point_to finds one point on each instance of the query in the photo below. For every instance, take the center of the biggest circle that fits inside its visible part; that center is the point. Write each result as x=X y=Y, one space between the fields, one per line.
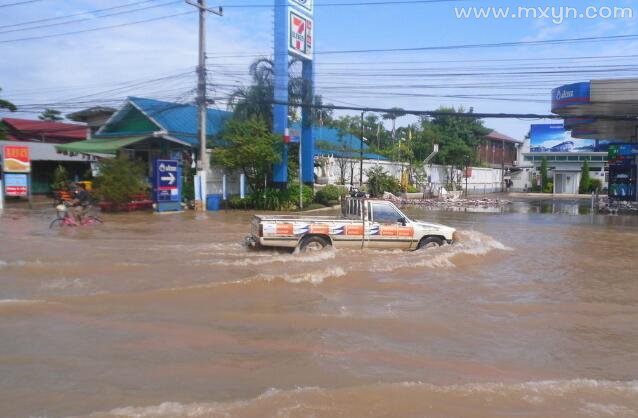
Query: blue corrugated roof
x=332 y=138
x=180 y=120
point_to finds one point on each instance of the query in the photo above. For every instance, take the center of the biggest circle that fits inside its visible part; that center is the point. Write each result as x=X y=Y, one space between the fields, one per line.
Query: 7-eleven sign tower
x=294 y=36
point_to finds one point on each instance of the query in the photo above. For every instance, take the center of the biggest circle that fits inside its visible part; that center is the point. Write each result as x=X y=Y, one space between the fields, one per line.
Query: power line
x=86 y=19
x=349 y=4
x=31 y=38
x=48 y=19
x=18 y=3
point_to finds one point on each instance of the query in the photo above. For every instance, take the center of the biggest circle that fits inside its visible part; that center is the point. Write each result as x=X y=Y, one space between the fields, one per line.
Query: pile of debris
x=615 y=207
x=448 y=202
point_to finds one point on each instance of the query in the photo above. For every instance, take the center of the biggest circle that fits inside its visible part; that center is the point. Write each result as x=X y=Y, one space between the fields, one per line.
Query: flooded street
x=534 y=313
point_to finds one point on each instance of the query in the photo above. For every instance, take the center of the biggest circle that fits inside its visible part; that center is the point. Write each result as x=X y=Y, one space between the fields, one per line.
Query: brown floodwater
x=533 y=314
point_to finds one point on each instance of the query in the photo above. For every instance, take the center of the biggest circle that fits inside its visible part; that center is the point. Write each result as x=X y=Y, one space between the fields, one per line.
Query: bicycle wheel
x=95 y=219
x=56 y=223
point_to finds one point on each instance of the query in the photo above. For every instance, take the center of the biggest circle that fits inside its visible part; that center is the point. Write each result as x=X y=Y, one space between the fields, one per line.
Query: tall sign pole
x=294 y=35
x=201 y=95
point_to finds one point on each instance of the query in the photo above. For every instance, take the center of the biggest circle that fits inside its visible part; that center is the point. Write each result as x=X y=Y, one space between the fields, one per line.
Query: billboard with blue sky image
x=554 y=138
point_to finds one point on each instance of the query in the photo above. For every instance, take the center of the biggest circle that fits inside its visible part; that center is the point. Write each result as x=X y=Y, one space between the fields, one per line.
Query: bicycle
x=63 y=218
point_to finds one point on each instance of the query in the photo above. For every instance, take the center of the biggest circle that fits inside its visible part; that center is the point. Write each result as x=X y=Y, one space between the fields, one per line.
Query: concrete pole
x=361 y=155
x=201 y=95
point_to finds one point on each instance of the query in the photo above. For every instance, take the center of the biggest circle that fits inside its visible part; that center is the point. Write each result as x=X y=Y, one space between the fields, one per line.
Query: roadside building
x=94 y=118
x=149 y=129
x=609 y=141
x=42 y=137
x=498 y=151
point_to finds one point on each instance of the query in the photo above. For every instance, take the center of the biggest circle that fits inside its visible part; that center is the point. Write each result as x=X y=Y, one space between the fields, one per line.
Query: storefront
x=603 y=116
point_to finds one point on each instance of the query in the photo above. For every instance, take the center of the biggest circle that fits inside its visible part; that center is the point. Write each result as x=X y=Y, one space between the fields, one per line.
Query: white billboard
x=300 y=36
x=303 y=4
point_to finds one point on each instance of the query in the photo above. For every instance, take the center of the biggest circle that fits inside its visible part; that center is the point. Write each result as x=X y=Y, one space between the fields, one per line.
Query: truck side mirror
x=402 y=221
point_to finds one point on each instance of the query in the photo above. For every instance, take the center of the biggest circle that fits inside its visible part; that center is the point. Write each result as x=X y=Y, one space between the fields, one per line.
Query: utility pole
x=361 y=155
x=201 y=94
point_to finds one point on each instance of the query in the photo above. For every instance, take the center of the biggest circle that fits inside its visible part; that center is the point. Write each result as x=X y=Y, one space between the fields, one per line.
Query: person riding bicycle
x=80 y=204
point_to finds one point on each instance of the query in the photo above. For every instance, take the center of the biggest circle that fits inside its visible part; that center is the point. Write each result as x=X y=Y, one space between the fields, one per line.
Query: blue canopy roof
x=142 y=116
x=179 y=120
x=329 y=141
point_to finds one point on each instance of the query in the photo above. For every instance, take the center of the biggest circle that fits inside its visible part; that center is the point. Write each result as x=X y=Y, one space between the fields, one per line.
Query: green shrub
x=60 y=178
x=329 y=194
x=585 y=180
x=413 y=189
x=549 y=187
x=291 y=196
x=120 y=179
x=379 y=182
x=595 y=185
x=237 y=202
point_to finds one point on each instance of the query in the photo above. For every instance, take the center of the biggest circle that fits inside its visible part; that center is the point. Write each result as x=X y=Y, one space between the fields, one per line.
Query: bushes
x=60 y=178
x=120 y=179
x=585 y=180
x=329 y=195
x=595 y=185
x=379 y=181
x=273 y=199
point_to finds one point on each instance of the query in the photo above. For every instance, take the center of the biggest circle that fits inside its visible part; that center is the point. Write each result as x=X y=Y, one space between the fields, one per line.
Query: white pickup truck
x=365 y=223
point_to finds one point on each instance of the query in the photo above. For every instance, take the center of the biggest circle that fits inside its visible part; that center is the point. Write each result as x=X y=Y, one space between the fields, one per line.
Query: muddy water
x=533 y=314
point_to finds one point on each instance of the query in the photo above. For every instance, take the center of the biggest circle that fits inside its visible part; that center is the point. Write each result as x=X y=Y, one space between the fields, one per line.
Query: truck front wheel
x=313 y=243
x=430 y=242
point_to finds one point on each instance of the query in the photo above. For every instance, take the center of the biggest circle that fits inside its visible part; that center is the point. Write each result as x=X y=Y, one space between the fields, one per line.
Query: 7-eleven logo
x=300 y=34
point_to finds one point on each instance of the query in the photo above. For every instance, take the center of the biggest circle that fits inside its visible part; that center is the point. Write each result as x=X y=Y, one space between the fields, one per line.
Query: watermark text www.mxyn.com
x=555 y=14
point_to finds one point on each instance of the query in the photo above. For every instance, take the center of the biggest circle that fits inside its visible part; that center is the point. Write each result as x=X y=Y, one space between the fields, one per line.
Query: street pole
x=361 y=155
x=201 y=95
x=300 y=177
x=502 y=165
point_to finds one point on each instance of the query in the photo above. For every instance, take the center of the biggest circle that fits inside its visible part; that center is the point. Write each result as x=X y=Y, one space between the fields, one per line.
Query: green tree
x=60 y=178
x=393 y=114
x=544 y=175
x=249 y=146
x=51 y=114
x=7 y=105
x=585 y=180
x=380 y=181
x=255 y=99
x=120 y=179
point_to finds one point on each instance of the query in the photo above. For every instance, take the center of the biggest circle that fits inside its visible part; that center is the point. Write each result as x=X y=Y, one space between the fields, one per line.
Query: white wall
x=482 y=181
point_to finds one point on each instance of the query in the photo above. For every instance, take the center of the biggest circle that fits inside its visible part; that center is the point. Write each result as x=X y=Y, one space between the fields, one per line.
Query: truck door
x=387 y=229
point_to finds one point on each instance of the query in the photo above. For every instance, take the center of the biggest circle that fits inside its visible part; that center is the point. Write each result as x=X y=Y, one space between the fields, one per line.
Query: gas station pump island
x=294 y=36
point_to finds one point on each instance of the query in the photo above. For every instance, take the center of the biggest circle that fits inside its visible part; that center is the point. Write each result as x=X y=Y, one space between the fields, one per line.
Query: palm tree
x=51 y=114
x=392 y=115
x=5 y=104
x=255 y=100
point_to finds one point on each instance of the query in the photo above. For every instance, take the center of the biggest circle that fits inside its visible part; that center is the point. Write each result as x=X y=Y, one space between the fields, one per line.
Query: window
x=385 y=213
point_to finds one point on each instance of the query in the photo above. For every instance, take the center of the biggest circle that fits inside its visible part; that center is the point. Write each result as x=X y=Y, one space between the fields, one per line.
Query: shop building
x=42 y=137
x=604 y=113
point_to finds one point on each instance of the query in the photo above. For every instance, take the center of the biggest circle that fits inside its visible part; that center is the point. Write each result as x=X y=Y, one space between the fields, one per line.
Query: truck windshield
x=385 y=213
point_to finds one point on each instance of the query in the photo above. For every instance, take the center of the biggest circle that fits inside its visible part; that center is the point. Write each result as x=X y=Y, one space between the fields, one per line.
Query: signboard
x=166 y=181
x=571 y=95
x=305 y=5
x=16 y=185
x=300 y=37
x=554 y=138
x=15 y=159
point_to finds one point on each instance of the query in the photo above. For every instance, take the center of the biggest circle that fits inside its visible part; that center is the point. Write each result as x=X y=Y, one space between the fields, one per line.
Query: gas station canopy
x=609 y=98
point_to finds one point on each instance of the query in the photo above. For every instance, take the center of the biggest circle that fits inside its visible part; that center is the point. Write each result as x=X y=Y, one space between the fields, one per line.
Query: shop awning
x=99 y=145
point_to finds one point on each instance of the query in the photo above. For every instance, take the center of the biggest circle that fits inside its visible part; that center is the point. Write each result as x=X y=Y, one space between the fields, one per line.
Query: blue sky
x=104 y=66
